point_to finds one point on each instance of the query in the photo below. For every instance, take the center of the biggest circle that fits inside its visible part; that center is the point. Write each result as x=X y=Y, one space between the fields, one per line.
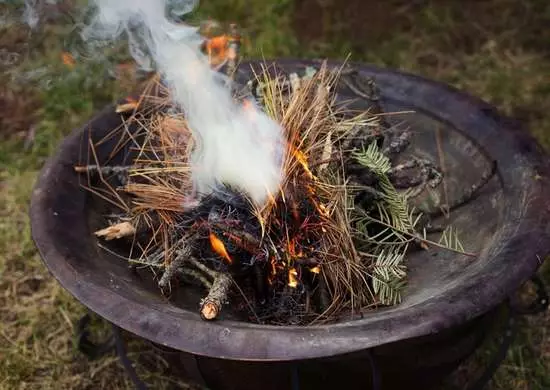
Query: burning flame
x=68 y=60
x=315 y=270
x=292 y=249
x=321 y=208
x=218 y=247
x=272 y=271
x=130 y=105
x=216 y=49
x=302 y=159
x=292 y=278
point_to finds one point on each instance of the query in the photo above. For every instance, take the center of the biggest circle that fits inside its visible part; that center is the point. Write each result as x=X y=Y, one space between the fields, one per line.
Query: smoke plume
x=237 y=146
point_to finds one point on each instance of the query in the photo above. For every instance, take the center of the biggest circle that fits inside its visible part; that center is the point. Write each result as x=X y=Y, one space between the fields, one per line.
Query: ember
x=332 y=239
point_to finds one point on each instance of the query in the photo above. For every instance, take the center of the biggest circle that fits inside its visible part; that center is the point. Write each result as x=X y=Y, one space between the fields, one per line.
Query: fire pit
x=448 y=302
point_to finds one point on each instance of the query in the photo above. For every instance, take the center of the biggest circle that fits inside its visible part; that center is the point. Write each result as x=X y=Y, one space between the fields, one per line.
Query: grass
x=495 y=49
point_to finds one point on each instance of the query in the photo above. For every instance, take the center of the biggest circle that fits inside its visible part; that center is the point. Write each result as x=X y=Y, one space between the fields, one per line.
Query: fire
x=272 y=271
x=292 y=249
x=315 y=270
x=218 y=247
x=68 y=60
x=292 y=278
x=302 y=159
x=130 y=105
x=216 y=49
x=321 y=208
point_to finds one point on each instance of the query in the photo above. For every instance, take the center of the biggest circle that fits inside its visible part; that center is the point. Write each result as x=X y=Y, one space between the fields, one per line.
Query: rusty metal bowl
x=447 y=301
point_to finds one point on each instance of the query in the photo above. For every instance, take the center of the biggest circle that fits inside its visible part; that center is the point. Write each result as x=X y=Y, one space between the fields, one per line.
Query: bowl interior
x=99 y=275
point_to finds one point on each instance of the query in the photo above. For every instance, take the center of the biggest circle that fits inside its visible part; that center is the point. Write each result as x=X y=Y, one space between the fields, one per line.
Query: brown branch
x=105 y=170
x=116 y=231
x=211 y=306
x=241 y=238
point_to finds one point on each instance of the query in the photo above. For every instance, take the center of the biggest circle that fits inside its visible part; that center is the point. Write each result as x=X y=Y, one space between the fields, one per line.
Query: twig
x=201 y=267
x=182 y=255
x=443 y=171
x=420 y=238
x=242 y=238
x=211 y=306
x=233 y=51
x=195 y=275
x=116 y=231
x=104 y=170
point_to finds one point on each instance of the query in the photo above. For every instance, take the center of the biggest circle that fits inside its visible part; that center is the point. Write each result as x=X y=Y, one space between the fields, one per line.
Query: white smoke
x=30 y=14
x=242 y=148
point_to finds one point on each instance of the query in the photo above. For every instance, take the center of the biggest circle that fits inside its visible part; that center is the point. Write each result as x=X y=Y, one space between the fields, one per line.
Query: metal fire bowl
x=507 y=224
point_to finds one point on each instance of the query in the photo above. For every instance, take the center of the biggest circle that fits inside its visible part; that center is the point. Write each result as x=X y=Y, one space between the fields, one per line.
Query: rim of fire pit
x=523 y=173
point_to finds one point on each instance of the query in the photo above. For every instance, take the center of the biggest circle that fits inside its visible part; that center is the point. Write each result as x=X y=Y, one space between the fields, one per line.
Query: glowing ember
x=293 y=278
x=315 y=270
x=218 y=247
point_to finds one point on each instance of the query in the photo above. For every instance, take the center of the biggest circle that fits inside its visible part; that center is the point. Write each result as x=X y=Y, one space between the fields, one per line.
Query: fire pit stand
x=450 y=303
x=191 y=366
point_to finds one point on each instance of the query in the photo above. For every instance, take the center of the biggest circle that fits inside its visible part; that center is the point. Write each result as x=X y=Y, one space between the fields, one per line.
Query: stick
x=104 y=170
x=116 y=231
x=195 y=275
x=203 y=268
x=233 y=51
x=182 y=255
x=211 y=306
x=242 y=238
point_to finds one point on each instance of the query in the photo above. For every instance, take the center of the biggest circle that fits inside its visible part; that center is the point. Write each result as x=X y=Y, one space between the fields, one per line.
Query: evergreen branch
x=420 y=238
x=373 y=159
x=388 y=275
x=449 y=238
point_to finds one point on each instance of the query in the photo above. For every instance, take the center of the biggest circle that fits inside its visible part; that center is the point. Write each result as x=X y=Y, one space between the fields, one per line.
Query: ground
x=495 y=49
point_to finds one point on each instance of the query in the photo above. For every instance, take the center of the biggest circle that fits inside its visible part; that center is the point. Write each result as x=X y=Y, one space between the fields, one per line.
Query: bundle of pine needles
x=318 y=249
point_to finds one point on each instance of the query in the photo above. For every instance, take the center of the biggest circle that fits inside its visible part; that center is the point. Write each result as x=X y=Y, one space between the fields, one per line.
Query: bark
x=211 y=306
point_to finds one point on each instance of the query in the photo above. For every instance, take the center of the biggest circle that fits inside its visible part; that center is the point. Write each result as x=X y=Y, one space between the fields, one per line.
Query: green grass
x=498 y=50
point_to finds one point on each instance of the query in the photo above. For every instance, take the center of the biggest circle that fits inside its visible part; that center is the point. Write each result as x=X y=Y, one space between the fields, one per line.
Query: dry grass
x=159 y=182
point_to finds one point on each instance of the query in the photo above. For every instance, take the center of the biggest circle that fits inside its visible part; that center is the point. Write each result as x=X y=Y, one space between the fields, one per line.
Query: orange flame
x=321 y=208
x=68 y=60
x=274 y=267
x=272 y=271
x=130 y=105
x=292 y=249
x=315 y=270
x=219 y=248
x=216 y=49
x=302 y=159
x=292 y=278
